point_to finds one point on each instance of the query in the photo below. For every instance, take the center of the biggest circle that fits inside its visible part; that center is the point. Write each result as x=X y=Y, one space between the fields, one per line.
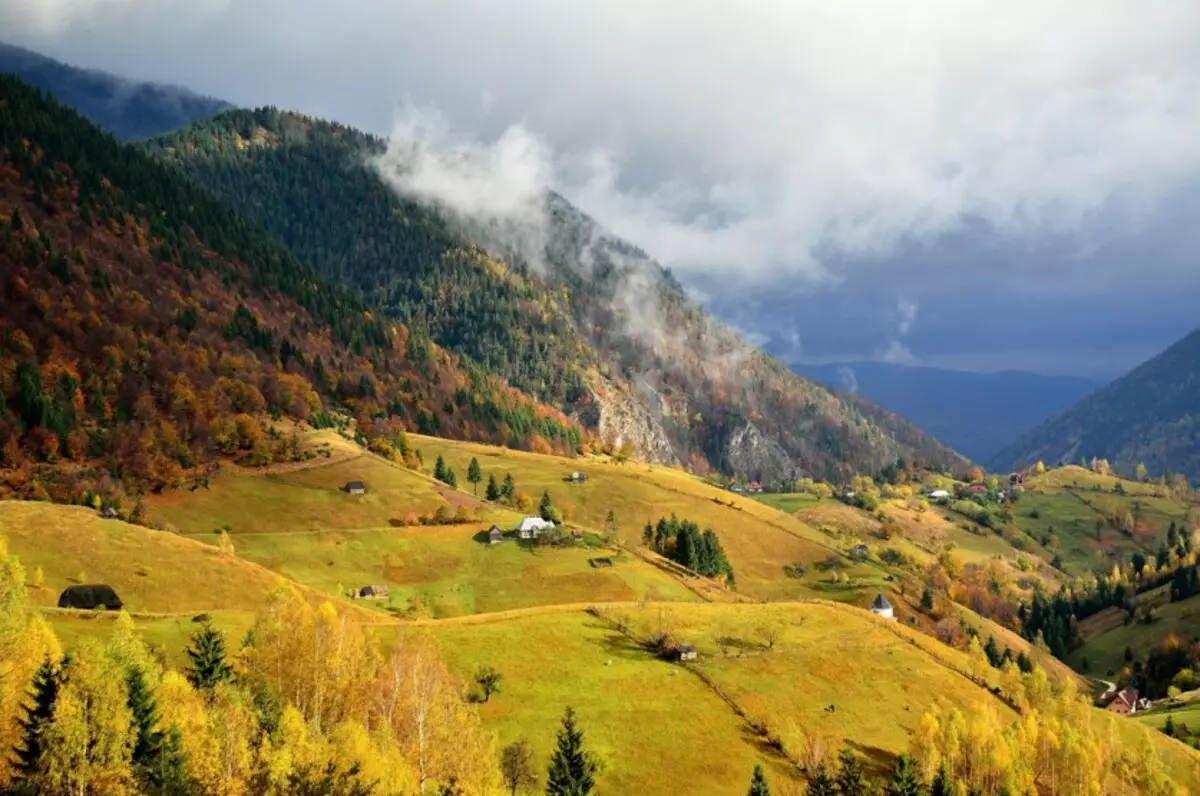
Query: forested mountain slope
x=128 y=109
x=597 y=327
x=1151 y=415
x=146 y=328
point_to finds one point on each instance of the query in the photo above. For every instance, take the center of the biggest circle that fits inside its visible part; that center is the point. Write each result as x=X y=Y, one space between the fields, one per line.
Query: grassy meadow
x=1105 y=653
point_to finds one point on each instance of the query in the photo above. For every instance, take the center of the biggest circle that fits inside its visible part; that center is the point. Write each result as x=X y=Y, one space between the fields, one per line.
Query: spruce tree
x=46 y=682
x=821 y=784
x=158 y=758
x=439 y=469
x=941 y=784
x=851 y=780
x=927 y=599
x=758 y=782
x=474 y=474
x=572 y=769
x=208 y=667
x=508 y=488
x=492 y=492
x=906 y=781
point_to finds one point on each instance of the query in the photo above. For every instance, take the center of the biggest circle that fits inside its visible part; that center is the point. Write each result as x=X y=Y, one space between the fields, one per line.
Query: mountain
x=1150 y=415
x=977 y=414
x=147 y=329
x=128 y=109
x=586 y=322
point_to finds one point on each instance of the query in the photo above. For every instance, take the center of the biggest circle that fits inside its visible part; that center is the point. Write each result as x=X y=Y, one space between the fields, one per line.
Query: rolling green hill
x=1149 y=416
x=603 y=333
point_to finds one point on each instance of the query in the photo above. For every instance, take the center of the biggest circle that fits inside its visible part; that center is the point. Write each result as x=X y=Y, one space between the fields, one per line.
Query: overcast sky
x=969 y=183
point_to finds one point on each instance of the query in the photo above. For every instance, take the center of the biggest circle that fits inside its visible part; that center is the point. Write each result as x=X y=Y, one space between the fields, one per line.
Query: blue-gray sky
x=976 y=184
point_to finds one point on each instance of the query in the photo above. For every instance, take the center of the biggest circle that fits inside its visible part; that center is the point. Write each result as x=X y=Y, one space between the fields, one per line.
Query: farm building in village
x=881 y=607
x=532 y=527
x=373 y=592
x=355 y=488
x=495 y=535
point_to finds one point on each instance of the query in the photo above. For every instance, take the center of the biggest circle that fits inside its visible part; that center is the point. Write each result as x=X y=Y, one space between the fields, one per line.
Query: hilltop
x=148 y=331
x=594 y=327
x=1146 y=417
x=129 y=109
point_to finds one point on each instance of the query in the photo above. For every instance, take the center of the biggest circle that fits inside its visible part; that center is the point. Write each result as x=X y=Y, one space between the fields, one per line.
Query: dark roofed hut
x=89 y=598
x=376 y=591
x=495 y=535
x=355 y=488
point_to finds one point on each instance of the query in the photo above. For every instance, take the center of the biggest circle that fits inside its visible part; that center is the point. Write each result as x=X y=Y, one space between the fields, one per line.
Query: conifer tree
x=821 y=784
x=208 y=666
x=474 y=474
x=850 y=778
x=508 y=488
x=46 y=683
x=439 y=469
x=546 y=508
x=158 y=759
x=758 y=782
x=941 y=784
x=572 y=768
x=906 y=781
x=927 y=599
x=492 y=492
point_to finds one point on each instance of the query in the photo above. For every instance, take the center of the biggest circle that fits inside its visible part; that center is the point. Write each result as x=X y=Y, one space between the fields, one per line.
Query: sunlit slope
x=152 y=571
x=758 y=539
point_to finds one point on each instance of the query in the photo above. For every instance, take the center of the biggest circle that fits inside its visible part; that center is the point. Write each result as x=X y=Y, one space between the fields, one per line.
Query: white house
x=939 y=495
x=882 y=607
x=530 y=527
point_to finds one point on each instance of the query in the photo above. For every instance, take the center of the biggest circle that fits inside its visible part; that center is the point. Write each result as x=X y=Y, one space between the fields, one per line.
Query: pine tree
x=474 y=474
x=927 y=599
x=941 y=784
x=572 y=769
x=758 y=782
x=492 y=492
x=906 y=781
x=821 y=784
x=46 y=682
x=158 y=758
x=207 y=653
x=508 y=488
x=1169 y=728
x=850 y=777
x=546 y=507
x=611 y=527
x=439 y=469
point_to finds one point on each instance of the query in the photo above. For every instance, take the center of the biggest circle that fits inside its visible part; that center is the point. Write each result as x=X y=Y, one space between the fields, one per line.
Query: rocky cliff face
x=620 y=416
x=751 y=454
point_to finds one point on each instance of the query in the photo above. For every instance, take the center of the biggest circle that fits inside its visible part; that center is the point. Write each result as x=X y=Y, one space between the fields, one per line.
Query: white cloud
x=775 y=139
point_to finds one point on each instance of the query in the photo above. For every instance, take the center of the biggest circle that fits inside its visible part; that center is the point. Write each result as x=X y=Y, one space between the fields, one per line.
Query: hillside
x=149 y=330
x=592 y=325
x=1149 y=416
x=128 y=109
x=977 y=414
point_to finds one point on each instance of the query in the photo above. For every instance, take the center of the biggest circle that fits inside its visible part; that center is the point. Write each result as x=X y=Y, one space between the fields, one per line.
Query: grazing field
x=452 y=570
x=758 y=539
x=166 y=635
x=1185 y=717
x=152 y=571
x=790 y=502
x=1105 y=652
x=662 y=728
x=311 y=499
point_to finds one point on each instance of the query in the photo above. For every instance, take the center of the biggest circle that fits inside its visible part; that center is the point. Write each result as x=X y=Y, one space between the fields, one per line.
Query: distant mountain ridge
x=603 y=331
x=130 y=110
x=977 y=414
x=1151 y=416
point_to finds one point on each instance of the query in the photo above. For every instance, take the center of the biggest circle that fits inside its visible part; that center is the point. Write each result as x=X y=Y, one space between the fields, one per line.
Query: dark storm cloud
x=975 y=161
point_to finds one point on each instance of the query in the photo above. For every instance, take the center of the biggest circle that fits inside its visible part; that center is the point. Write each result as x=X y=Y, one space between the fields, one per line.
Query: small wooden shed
x=355 y=488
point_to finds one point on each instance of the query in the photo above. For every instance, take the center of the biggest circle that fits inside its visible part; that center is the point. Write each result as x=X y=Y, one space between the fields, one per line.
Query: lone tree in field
x=492 y=492
x=927 y=599
x=508 y=488
x=474 y=474
x=439 y=469
x=208 y=667
x=546 y=509
x=572 y=768
x=488 y=680
x=516 y=766
x=758 y=782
